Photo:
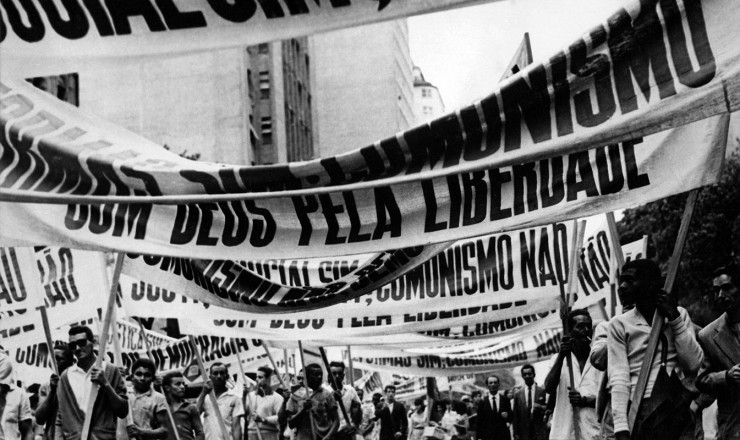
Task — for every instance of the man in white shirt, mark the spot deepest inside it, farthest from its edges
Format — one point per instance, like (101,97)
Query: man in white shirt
(15,409)
(262,406)
(229,404)
(586,380)
(349,398)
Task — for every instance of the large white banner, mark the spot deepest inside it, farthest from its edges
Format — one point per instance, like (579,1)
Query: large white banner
(489,167)
(40,37)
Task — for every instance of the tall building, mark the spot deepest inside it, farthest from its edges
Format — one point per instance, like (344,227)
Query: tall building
(283,101)
(364,89)
(428,102)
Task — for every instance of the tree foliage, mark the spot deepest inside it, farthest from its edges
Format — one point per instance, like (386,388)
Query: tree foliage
(713,239)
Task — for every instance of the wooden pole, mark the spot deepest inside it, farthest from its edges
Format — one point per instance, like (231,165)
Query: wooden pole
(351,366)
(658,320)
(274,365)
(118,360)
(103,340)
(147,345)
(285,360)
(305,385)
(618,258)
(336,386)
(217,412)
(49,341)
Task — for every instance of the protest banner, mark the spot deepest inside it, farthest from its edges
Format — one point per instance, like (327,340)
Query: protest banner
(647,68)
(72,283)
(58,36)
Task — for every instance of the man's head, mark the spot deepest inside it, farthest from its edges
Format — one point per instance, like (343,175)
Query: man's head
(337,371)
(580,325)
(723,285)
(639,282)
(360,393)
(476,396)
(493,382)
(64,357)
(390,393)
(264,376)
(219,375)
(314,376)
(528,374)
(81,341)
(142,374)
(376,398)
(174,384)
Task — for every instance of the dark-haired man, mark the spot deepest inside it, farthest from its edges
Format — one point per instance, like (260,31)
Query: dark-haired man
(73,392)
(580,400)
(529,408)
(394,422)
(148,407)
(262,407)
(229,404)
(46,411)
(720,372)
(494,413)
(348,396)
(627,340)
(187,419)
(314,417)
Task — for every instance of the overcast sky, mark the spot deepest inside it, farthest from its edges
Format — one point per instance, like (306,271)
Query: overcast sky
(464,52)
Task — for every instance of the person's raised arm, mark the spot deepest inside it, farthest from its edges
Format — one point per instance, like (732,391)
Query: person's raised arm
(553,377)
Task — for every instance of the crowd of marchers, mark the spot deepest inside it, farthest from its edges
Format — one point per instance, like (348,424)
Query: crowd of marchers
(587,392)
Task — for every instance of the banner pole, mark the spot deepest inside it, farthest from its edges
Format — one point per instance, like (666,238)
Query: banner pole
(256,385)
(217,412)
(305,385)
(49,341)
(351,365)
(274,365)
(147,345)
(118,360)
(285,360)
(334,383)
(102,341)
(658,320)
(618,257)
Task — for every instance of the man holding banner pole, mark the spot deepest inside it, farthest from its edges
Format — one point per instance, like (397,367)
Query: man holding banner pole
(229,405)
(261,408)
(74,386)
(46,411)
(582,398)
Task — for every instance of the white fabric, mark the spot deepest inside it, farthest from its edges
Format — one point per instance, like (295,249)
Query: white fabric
(230,406)
(587,383)
(17,408)
(79,381)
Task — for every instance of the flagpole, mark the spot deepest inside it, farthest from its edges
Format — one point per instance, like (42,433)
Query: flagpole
(274,365)
(305,384)
(212,394)
(49,341)
(334,383)
(351,365)
(658,320)
(285,360)
(618,256)
(103,340)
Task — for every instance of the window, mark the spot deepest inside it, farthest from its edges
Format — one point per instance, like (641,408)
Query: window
(263,48)
(64,87)
(266,125)
(427,110)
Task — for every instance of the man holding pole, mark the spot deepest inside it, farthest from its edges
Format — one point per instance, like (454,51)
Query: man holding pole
(348,395)
(627,341)
(185,415)
(229,404)
(262,406)
(581,398)
(314,416)
(46,411)
(148,407)
(74,387)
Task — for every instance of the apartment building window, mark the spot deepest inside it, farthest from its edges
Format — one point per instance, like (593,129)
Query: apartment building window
(263,48)
(426,93)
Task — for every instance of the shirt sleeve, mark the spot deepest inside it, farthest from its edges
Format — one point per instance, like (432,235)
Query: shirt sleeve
(690,354)
(619,374)
(238,408)
(24,407)
(599,352)
(160,404)
(277,403)
(712,378)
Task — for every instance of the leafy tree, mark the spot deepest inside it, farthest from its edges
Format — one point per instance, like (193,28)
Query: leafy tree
(713,239)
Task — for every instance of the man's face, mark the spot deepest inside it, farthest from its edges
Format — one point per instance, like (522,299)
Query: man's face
(376,398)
(219,375)
(63,361)
(476,399)
(177,388)
(390,395)
(142,379)
(81,346)
(314,376)
(262,379)
(360,393)
(725,292)
(338,373)
(629,286)
(582,328)
(528,376)
(493,384)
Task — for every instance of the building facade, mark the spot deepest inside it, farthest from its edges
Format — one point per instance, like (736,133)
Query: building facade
(364,88)
(428,102)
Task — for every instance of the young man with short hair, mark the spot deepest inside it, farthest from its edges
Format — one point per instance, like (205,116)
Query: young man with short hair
(262,407)
(529,408)
(394,422)
(73,391)
(229,404)
(349,398)
(148,407)
(315,416)
(46,411)
(187,419)
(494,412)
(16,418)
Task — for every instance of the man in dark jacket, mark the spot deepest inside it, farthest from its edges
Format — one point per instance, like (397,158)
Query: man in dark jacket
(494,412)
(394,423)
(529,408)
